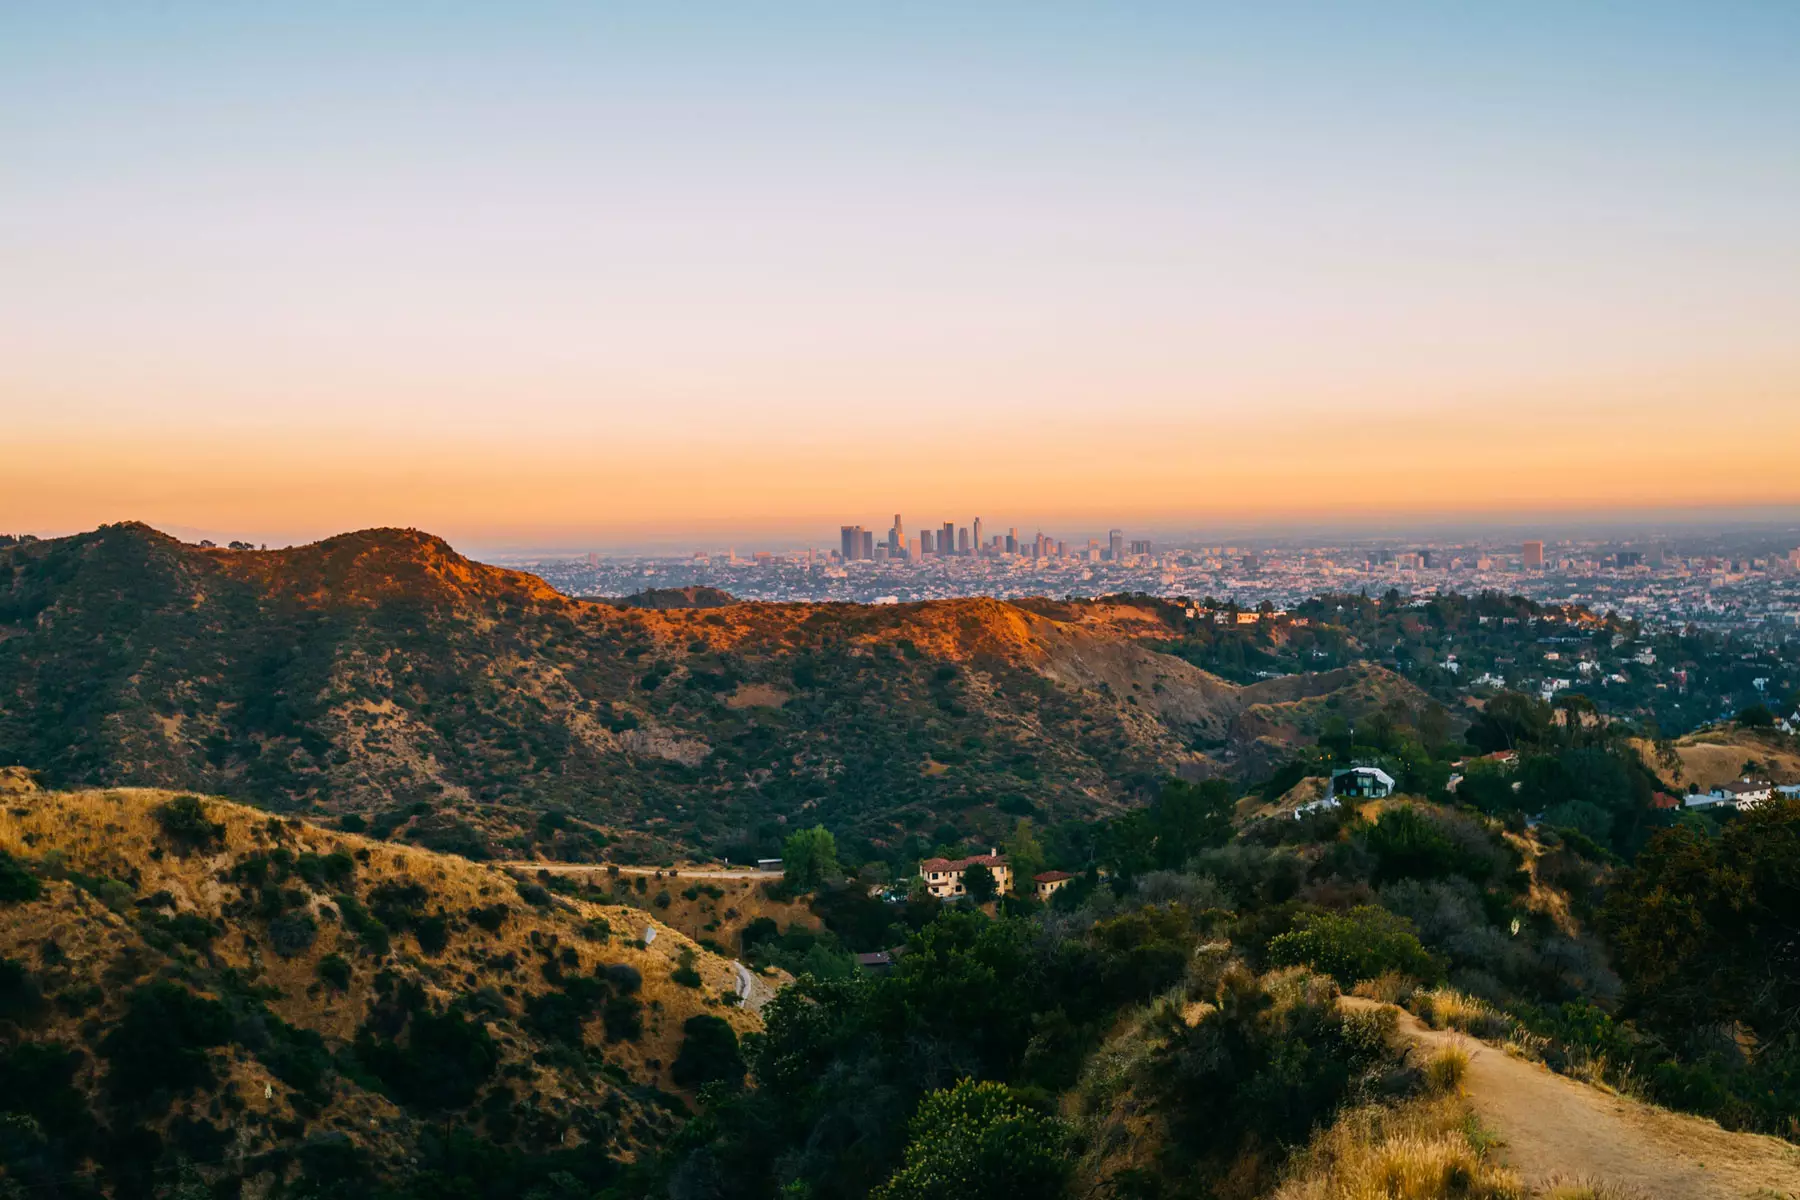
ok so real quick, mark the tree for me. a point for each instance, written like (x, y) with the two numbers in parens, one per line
(809, 858)
(16, 883)
(980, 883)
(1756, 716)
(1190, 817)
(1362, 944)
(1025, 854)
(980, 1139)
(709, 1054)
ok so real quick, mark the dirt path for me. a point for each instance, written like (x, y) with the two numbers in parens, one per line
(567, 868)
(1556, 1129)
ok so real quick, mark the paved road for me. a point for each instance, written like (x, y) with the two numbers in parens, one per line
(1556, 1129)
(566, 868)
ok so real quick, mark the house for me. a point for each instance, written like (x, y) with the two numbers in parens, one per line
(878, 963)
(1662, 800)
(1364, 783)
(1047, 883)
(768, 864)
(944, 876)
(1741, 794)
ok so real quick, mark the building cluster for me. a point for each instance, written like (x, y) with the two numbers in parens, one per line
(856, 544)
(945, 877)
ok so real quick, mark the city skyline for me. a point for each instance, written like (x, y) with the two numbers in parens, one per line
(280, 275)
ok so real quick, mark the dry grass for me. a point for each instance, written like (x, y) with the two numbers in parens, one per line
(1447, 1008)
(1447, 1069)
(1423, 1150)
(114, 833)
(1387, 988)
(1590, 1190)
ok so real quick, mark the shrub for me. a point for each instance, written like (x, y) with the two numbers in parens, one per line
(709, 1054)
(334, 971)
(686, 976)
(1364, 943)
(292, 933)
(1446, 1070)
(623, 1018)
(17, 885)
(161, 1042)
(185, 823)
(442, 1063)
(972, 1138)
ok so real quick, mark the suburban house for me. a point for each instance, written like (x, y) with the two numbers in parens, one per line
(944, 876)
(1664, 800)
(1047, 883)
(1362, 783)
(1741, 794)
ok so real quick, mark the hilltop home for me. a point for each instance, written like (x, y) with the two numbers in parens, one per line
(1364, 783)
(1047, 883)
(944, 876)
(1741, 794)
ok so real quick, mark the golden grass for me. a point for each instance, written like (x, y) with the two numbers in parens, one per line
(1389, 988)
(1447, 1069)
(1447, 1008)
(1422, 1150)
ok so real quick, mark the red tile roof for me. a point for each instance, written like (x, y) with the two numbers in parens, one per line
(1051, 877)
(961, 864)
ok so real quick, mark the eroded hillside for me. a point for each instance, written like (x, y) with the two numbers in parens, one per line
(191, 985)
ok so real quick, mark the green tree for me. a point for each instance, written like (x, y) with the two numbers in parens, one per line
(1025, 855)
(16, 883)
(709, 1053)
(1756, 716)
(809, 858)
(980, 1139)
(980, 883)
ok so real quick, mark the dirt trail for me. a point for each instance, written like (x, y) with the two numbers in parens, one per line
(1556, 1129)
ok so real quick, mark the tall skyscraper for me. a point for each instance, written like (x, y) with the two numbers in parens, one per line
(962, 541)
(896, 536)
(850, 541)
(1012, 540)
(927, 544)
(1115, 545)
(868, 542)
(947, 539)
(1534, 556)
(977, 528)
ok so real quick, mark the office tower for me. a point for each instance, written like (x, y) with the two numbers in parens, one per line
(1012, 540)
(883, 553)
(868, 542)
(977, 535)
(896, 536)
(1140, 548)
(947, 539)
(962, 541)
(1425, 559)
(927, 543)
(849, 541)
(1534, 556)
(1062, 549)
(1115, 542)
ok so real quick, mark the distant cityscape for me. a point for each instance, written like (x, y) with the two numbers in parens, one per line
(1746, 582)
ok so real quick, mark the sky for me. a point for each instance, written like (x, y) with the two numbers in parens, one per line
(602, 275)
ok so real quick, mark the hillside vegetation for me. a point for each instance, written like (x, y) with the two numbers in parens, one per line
(382, 676)
(191, 990)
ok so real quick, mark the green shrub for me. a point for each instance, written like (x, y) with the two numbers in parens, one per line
(1364, 943)
(293, 933)
(17, 885)
(185, 823)
(980, 1139)
(160, 1045)
(709, 1054)
(334, 971)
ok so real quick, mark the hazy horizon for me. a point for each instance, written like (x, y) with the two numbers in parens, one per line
(566, 275)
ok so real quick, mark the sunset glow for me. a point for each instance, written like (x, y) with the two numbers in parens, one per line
(281, 277)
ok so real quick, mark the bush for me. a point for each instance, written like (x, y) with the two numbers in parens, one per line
(623, 1018)
(334, 971)
(980, 1139)
(1364, 943)
(292, 933)
(160, 1044)
(709, 1054)
(17, 885)
(442, 1063)
(185, 823)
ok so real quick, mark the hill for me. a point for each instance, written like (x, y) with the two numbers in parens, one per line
(381, 677)
(193, 986)
(1709, 757)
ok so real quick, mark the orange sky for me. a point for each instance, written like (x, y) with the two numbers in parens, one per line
(588, 277)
